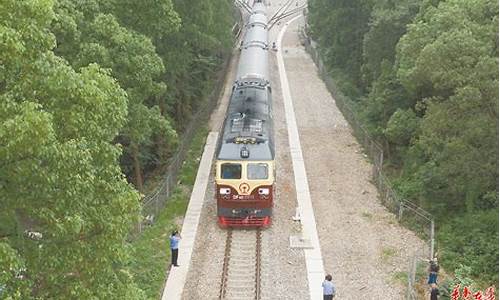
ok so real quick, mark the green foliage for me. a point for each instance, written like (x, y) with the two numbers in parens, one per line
(401, 127)
(459, 130)
(460, 137)
(386, 96)
(59, 175)
(150, 251)
(13, 284)
(449, 46)
(472, 250)
(132, 59)
(387, 24)
(193, 53)
(163, 54)
(342, 47)
(152, 18)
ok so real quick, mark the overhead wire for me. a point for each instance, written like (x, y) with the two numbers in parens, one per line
(243, 5)
(281, 10)
(285, 14)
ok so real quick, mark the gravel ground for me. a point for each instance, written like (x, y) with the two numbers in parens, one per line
(362, 245)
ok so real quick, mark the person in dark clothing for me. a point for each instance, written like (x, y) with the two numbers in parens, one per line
(433, 271)
(328, 288)
(174, 247)
(434, 292)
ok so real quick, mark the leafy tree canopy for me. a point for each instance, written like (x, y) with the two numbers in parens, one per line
(66, 207)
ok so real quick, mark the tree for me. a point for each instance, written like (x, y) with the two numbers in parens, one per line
(193, 54)
(448, 54)
(388, 22)
(386, 96)
(402, 127)
(339, 27)
(66, 207)
(448, 61)
(133, 61)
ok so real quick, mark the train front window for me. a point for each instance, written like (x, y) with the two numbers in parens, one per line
(231, 171)
(257, 171)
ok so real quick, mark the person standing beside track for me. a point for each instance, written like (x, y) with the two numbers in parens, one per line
(328, 288)
(174, 246)
(434, 292)
(433, 271)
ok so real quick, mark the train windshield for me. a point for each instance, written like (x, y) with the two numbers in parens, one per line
(257, 171)
(231, 171)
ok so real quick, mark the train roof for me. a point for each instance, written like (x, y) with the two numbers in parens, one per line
(248, 125)
(248, 128)
(255, 45)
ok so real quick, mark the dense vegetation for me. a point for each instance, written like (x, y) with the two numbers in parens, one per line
(90, 91)
(423, 78)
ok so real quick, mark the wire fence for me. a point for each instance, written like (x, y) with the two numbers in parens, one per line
(408, 214)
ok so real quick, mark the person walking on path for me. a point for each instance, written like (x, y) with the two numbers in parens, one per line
(328, 288)
(174, 246)
(433, 271)
(434, 291)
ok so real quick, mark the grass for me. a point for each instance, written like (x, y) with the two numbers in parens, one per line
(387, 254)
(400, 277)
(150, 252)
(367, 215)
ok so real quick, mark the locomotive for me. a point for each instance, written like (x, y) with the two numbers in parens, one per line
(245, 174)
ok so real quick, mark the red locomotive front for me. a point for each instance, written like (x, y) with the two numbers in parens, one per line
(244, 192)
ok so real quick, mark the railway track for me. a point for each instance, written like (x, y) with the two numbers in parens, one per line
(241, 271)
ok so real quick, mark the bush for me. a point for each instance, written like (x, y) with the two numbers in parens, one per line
(470, 242)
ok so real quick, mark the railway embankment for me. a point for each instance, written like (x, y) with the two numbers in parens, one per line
(363, 246)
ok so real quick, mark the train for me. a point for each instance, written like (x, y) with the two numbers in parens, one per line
(245, 154)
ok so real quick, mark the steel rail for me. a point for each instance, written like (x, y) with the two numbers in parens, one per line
(257, 264)
(225, 291)
(225, 265)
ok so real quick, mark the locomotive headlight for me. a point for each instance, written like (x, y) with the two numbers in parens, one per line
(264, 191)
(224, 191)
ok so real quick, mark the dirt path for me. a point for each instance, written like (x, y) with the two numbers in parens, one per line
(363, 247)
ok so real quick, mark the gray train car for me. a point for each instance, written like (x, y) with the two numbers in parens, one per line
(245, 175)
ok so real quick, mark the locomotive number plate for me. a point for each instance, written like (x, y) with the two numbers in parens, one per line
(243, 197)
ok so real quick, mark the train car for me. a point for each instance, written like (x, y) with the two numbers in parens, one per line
(245, 176)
